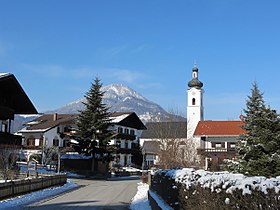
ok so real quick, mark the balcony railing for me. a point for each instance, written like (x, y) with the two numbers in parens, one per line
(8, 138)
(202, 151)
(125, 136)
(32, 147)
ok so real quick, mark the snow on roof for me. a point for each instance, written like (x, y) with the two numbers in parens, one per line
(4, 74)
(32, 123)
(24, 130)
(117, 119)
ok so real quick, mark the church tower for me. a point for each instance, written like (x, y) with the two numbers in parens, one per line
(195, 101)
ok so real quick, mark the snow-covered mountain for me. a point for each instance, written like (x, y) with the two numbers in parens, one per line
(120, 98)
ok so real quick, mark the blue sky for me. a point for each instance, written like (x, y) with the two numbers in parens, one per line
(56, 49)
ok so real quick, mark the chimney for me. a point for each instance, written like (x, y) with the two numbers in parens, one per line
(55, 117)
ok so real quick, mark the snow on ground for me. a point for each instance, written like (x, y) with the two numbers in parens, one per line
(161, 203)
(140, 200)
(131, 169)
(18, 202)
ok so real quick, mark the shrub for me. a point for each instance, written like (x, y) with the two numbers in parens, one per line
(188, 189)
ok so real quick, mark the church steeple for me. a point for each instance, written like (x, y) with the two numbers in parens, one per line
(195, 100)
(195, 82)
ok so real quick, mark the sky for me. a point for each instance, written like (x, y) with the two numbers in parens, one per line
(57, 48)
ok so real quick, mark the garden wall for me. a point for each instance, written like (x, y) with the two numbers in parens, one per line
(17, 187)
(85, 165)
(188, 189)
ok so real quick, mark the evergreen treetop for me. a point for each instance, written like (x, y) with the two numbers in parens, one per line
(259, 147)
(94, 120)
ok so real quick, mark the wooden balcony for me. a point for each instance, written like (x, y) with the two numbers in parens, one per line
(32, 147)
(219, 151)
(8, 138)
(125, 136)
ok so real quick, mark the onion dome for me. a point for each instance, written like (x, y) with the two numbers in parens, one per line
(195, 68)
(195, 82)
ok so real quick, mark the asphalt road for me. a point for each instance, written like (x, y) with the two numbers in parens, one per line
(92, 194)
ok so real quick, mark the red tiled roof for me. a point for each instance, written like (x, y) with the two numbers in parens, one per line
(219, 128)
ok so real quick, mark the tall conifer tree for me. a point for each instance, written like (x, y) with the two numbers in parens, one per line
(93, 121)
(259, 147)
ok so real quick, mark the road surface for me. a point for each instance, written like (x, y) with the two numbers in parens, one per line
(92, 194)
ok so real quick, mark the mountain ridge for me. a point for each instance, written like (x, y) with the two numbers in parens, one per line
(119, 98)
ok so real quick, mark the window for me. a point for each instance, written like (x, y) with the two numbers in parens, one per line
(126, 145)
(120, 130)
(31, 141)
(232, 145)
(132, 132)
(126, 131)
(193, 101)
(67, 129)
(218, 144)
(41, 141)
(56, 142)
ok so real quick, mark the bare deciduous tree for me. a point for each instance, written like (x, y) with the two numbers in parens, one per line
(177, 147)
(8, 158)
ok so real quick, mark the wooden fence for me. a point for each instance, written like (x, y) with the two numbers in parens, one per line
(17, 187)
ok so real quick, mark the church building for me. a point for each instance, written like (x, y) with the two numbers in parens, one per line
(215, 140)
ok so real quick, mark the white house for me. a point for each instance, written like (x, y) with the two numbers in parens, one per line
(218, 140)
(46, 131)
(127, 128)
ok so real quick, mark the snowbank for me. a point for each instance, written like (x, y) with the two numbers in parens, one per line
(140, 200)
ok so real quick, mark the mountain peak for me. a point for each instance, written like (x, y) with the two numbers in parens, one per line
(121, 92)
(121, 98)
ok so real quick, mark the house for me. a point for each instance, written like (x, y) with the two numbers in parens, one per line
(127, 128)
(56, 130)
(47, 131)
(13, 100)
(218, 140)
(150, 151)
(157, 135)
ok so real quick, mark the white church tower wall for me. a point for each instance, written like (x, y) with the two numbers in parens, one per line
(195, 110)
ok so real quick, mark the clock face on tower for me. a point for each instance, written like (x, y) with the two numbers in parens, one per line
(193, 93)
